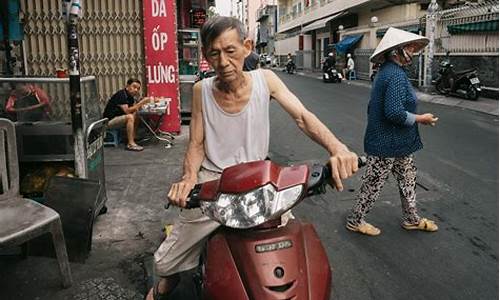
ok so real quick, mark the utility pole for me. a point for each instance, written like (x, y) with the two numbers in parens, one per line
(430, 26)
(71, 10)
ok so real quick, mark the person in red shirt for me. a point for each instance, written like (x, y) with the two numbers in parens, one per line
(28, 103)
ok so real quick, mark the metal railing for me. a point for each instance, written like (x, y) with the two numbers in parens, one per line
(483, 42)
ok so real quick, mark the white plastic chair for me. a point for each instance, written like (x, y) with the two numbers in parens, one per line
(23, 219)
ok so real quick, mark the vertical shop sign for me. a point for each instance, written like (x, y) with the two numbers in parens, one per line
(162, 68)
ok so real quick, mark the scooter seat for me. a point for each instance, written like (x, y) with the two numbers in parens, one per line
(465, 71)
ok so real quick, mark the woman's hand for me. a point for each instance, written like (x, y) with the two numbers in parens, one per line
(427, 119)
(179, 191)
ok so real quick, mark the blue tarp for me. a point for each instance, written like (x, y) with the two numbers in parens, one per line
(347, 42)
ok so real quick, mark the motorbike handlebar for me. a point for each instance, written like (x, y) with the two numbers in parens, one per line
(319, 176)
(193, 200)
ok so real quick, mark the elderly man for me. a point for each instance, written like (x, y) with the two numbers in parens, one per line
(227, 110)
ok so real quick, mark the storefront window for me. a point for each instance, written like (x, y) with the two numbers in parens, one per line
(189, 51)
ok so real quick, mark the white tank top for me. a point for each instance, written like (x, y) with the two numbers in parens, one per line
(236, 138)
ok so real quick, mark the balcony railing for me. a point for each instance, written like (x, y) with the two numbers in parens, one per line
(264, 11)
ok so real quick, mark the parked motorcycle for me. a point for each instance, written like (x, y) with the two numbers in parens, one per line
(331, 75)
(290, 67)
(252, 255)
(464, 83)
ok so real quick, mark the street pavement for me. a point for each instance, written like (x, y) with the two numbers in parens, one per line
(457, 187)
(485, 105)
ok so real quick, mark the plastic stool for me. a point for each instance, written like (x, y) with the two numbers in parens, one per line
(112, 137)
(352, 75)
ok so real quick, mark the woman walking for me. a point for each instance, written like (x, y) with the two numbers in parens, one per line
(391, 135)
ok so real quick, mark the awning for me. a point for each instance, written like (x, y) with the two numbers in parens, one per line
(321, 23)
(347, 42)
(412, 28)
(473, 27)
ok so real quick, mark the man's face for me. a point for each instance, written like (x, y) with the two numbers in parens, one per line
(133, 89)
(227, 54)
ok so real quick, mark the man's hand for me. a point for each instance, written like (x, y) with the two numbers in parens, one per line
(427, 119)
(179, 191)
(343, 165)
(145, 100)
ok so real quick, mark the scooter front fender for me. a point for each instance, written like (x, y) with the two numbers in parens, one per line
(280, 263)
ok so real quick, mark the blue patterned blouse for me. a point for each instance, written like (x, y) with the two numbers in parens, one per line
(392, 130)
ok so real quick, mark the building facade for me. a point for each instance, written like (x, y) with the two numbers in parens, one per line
(310, 29)
(267, 20)
(111, 40)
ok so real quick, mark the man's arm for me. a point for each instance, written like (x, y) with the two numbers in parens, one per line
(132, 109)
(344, 163)
(194, 155)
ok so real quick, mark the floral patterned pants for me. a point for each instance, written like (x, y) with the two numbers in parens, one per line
(376, 173)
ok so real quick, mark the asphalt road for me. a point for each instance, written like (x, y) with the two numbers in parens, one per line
(457, 187)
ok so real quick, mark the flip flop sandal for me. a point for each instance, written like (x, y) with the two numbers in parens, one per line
(364, 228)
(136, 148)
(424, 225)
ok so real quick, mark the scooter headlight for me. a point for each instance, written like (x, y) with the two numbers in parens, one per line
(253, 208)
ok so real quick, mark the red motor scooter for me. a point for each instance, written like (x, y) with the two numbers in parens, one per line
(252, 256)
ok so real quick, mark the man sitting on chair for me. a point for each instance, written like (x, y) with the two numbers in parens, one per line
(121, 110)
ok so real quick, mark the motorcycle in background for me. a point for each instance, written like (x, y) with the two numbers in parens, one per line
(465, 84)
(330, 74)
(375, 68)
(290, 67)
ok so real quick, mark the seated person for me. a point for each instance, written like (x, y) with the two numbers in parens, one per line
(121, 111)
(27, 103)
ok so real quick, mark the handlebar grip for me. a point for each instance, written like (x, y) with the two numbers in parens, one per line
(193, 200)
(192, 203)
(328, 172)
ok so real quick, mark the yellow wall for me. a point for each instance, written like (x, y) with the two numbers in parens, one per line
(392, 14)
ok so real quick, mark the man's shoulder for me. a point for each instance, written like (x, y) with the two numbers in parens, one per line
(119, 97)
(267, 74)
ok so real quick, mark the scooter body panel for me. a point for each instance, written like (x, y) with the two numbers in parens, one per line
(288, 262)
(220, 276)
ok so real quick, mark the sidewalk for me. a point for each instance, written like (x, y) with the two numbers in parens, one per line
(484, 105)
(123, 239)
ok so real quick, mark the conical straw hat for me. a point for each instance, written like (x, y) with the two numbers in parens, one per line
(395, 38)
